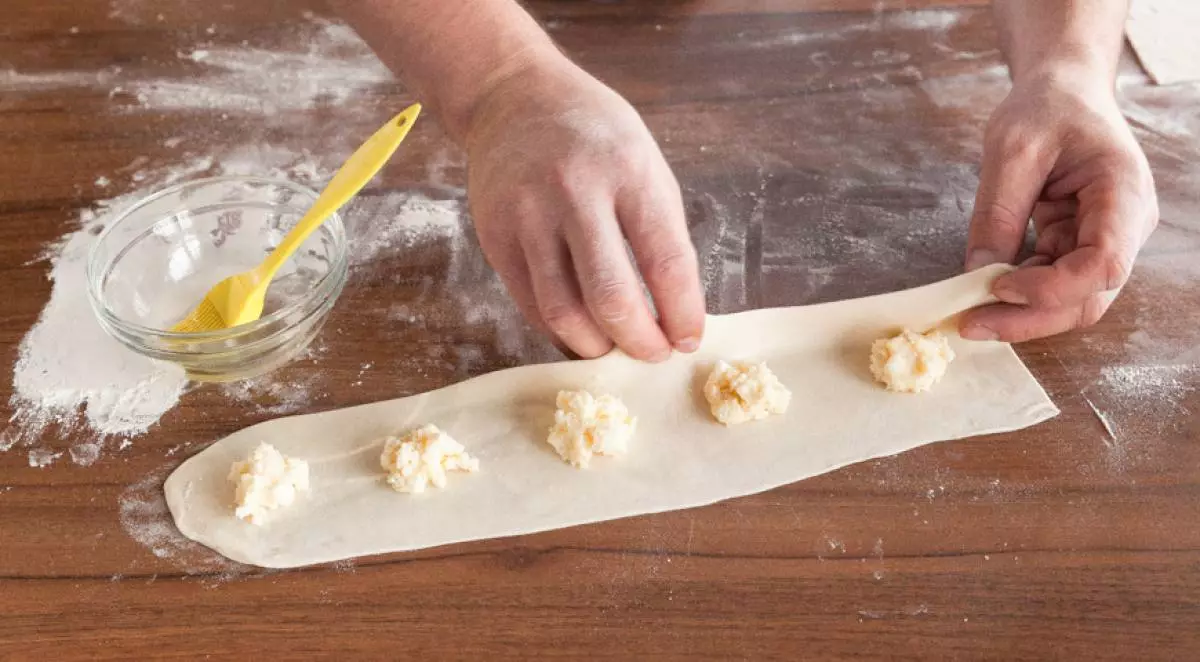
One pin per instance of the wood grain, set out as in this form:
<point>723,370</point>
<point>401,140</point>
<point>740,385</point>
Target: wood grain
<point>827,150</point>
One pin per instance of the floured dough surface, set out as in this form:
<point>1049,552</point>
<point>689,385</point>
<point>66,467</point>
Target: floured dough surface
<point>586,425</point>
<point>680,459</point>
<point>422,457</point>
<point>1163,33</point>
<point>744,391</point>
<point>266,481</point>
<point>911,362</point>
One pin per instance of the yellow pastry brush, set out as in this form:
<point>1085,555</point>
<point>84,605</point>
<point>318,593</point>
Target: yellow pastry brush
<point>239,298</point>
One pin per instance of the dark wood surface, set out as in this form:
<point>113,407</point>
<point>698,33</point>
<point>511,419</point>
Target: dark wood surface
<point>827,150</point>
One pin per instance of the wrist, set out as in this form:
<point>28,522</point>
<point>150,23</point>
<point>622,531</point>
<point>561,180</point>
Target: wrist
<point>461,102</point>
<point>1078,72</point>
<point>515,71</point>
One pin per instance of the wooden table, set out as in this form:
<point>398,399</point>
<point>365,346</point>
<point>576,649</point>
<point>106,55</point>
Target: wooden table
<point>827,150</point>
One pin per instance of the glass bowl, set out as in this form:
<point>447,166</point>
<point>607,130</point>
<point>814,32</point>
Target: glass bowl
<point>156,260</point>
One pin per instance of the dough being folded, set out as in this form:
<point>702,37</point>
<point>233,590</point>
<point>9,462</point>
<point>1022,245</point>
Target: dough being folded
<point>683,458</point>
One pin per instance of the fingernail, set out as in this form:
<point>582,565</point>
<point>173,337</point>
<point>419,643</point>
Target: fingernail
<point>688,345</point>
<point>981,257</point>
<point>977,332</point>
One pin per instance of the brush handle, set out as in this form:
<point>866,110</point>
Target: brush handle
<point>354,174</point>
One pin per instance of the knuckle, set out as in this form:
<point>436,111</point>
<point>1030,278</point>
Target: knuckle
<point>632,158</point>
<point>612,299</point>
<point>1090,312</point>
<point>1012,144</point>
<point>1116,270</point>
<point>1046,297</point>
<point>562,318</point>
<point>523,215</point>
<point>1003,219</point>
<point>671,269</point>
<point>563,175</point>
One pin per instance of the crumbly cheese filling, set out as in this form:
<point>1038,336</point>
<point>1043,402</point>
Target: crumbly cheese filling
<point>422,457</point>
<point>911,362</point>
<point>743,391</point>
<point>266,481</point>
<point>586,425</point>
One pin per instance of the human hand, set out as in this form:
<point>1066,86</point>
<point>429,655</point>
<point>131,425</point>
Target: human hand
<point>1058,152</point>
<point>561,171</point>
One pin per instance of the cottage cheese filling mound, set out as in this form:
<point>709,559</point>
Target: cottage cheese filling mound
<point>741,392</point>
<point>422,457</point>
<point>911,362</point>
<point>586,425</point>
<point>266,481</point>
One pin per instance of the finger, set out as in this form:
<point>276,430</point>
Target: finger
<point>610,286</point>
<point>653,220</point>
<point>1010,182</point>
<point>1047,213</point>
<point>558,301</point>
<point>508,261</point>
<point>1110,234</point>
<point>1011,323</point>
<point>1036,261</point>
<point>1057,239</point>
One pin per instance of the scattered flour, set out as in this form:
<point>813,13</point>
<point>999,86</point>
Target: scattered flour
<point>39,457</point>
<point>932,22</point>
<point>269,395</point>
<point>70,376</point>
<point>1141,386</point>
<point>330,66</point>
<point>13,81</point>
<point>146,518</point>
<point>379,225</point>
<point>318,63</point>
<point>69,371</point>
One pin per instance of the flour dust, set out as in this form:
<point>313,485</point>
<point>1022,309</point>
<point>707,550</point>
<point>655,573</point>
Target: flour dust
<point>71,377</point>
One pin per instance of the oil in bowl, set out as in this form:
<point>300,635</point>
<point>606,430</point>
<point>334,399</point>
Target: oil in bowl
<point>157,260</point>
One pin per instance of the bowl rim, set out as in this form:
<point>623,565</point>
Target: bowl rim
<point>337,267</point>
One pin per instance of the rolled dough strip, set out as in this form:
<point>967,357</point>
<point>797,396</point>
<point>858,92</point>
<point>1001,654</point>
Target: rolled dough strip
<point>1163,33</point>
<point>680,458</point>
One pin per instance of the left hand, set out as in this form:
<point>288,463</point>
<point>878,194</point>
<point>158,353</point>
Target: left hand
<point>1058,152</point>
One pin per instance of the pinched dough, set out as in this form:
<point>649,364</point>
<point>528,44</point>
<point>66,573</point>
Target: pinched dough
<point>586,425</point>
<point>266,481</point>
<point>911,362</point>
<point>421,457</point>
<point>744,392</point>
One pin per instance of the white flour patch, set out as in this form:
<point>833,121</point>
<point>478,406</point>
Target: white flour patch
<point>268,395</point>
<point>39,458</point>
<point>14,81</point>
<point>146,518</point>
<point>86,454</point>
<point>381,225</point>
<point>387,227</point>
<point>330,66</point>
<point>1135,405</point>
<point>71,378</point>
<point>1148,386</point>
<point>933,20</point>
<point>70,373</point>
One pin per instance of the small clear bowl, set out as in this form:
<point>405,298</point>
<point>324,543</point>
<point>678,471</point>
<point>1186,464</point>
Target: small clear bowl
<point>156,260</point>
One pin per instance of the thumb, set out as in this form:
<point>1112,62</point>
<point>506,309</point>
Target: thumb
<point>1010,183</point>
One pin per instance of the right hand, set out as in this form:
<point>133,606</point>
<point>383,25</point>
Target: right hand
<point>561,172</point>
